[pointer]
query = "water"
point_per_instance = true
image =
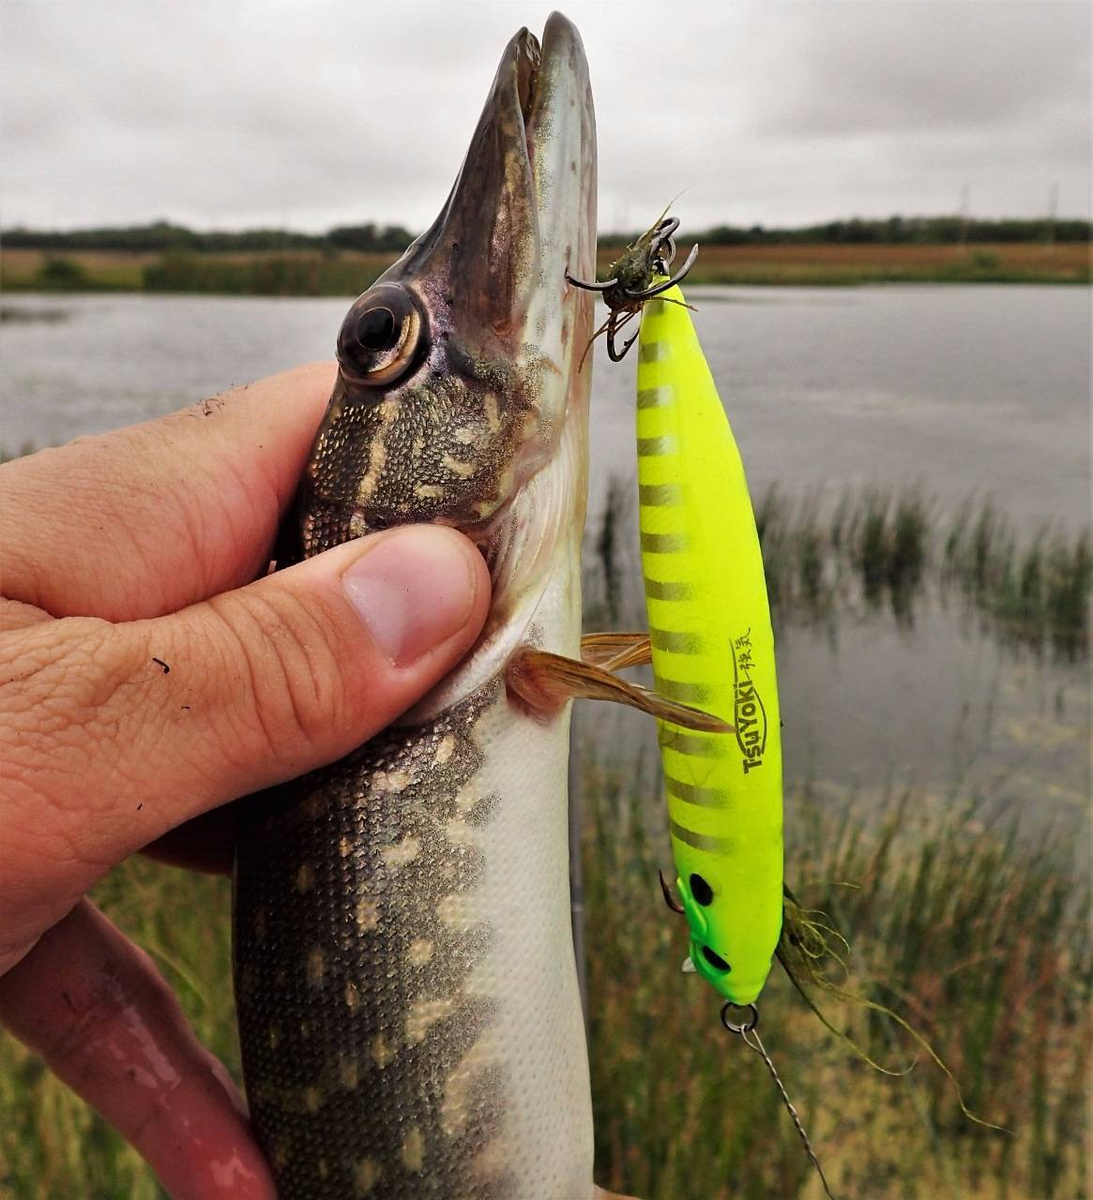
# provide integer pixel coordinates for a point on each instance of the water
(962, 389)
(955, 390)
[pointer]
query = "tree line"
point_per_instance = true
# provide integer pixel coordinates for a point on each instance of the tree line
(163, 236)
(897, 229)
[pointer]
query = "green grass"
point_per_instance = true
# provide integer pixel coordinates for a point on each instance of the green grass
(979, 937)
(1039, 588)
(331, 271)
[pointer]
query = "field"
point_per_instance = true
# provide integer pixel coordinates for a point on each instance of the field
(834, 263)
(310, 272)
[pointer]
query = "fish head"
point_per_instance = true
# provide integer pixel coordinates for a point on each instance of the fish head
(461, 397)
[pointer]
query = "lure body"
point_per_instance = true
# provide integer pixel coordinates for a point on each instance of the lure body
(712, 646)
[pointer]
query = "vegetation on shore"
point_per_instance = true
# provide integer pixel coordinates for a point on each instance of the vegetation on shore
(870, 551)
(980, 940)
(344, 261)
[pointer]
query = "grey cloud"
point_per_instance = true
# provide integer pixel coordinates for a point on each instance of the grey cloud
(934, 63)
(337, 112)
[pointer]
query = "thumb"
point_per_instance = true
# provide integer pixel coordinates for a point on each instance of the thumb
(112, 734)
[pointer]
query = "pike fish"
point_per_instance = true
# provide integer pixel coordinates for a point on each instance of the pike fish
(404, 971)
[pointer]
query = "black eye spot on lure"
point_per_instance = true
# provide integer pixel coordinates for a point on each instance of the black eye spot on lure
(701, 890)
(715, 960)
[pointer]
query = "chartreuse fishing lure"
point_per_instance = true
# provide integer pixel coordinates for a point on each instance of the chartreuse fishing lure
(712, 647)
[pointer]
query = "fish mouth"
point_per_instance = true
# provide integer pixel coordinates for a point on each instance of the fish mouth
(521, 215)
(522, 208)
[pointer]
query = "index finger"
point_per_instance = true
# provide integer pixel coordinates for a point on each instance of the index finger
(103, 1019)
(148, 519)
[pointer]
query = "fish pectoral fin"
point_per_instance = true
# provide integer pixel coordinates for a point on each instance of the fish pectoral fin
(545, 681)
(616, 651)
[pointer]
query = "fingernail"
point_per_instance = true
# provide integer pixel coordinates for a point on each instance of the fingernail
(413, 589)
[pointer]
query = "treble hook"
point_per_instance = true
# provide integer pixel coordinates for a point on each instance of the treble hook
(637, 277)
(680, 275)
(590, 287)
(662, 240)
(669, 899)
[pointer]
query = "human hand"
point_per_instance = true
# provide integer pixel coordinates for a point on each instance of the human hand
(145, 681)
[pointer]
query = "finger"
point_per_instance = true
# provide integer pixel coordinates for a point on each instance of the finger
(148, 519)
(103, 1019)
(110, 735)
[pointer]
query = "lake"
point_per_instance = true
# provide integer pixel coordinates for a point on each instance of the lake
(954, 391)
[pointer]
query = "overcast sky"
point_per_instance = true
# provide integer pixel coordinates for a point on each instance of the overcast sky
(230, 113)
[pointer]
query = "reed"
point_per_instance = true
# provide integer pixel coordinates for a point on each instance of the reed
(875, 550)
(979, 938)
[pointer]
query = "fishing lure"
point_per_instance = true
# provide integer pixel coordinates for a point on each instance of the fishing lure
(711, 646)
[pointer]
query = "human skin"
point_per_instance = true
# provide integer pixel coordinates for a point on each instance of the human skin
(146, 681)
(142, 545)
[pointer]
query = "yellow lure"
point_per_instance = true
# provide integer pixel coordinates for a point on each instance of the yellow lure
(713, 648)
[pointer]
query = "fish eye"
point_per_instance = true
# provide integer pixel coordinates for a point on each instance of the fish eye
(380, 336)
(715, 960)
(701, 890)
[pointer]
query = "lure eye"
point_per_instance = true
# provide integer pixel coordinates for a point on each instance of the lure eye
(701, 890)
(715, 960)
(380, 336)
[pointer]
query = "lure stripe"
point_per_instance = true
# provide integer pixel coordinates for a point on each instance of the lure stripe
(697, 745)
(663, 543)
(681, 690)
(660, 495)
(655, 397)
(656, 589)
(677, 643)
(704, 579)
(691, 793)
(702, 841)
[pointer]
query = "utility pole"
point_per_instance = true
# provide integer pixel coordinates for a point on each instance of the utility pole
(965, 198)
(1052, 215)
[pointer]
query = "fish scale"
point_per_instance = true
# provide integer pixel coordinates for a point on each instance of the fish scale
(377, 964)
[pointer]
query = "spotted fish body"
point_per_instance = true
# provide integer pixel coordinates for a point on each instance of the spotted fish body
(712, 646)
(408, 1006)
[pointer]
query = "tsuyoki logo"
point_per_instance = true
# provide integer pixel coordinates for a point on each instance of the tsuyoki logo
(751, 715)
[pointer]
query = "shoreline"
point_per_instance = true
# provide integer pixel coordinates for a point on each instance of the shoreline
(347, 273)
